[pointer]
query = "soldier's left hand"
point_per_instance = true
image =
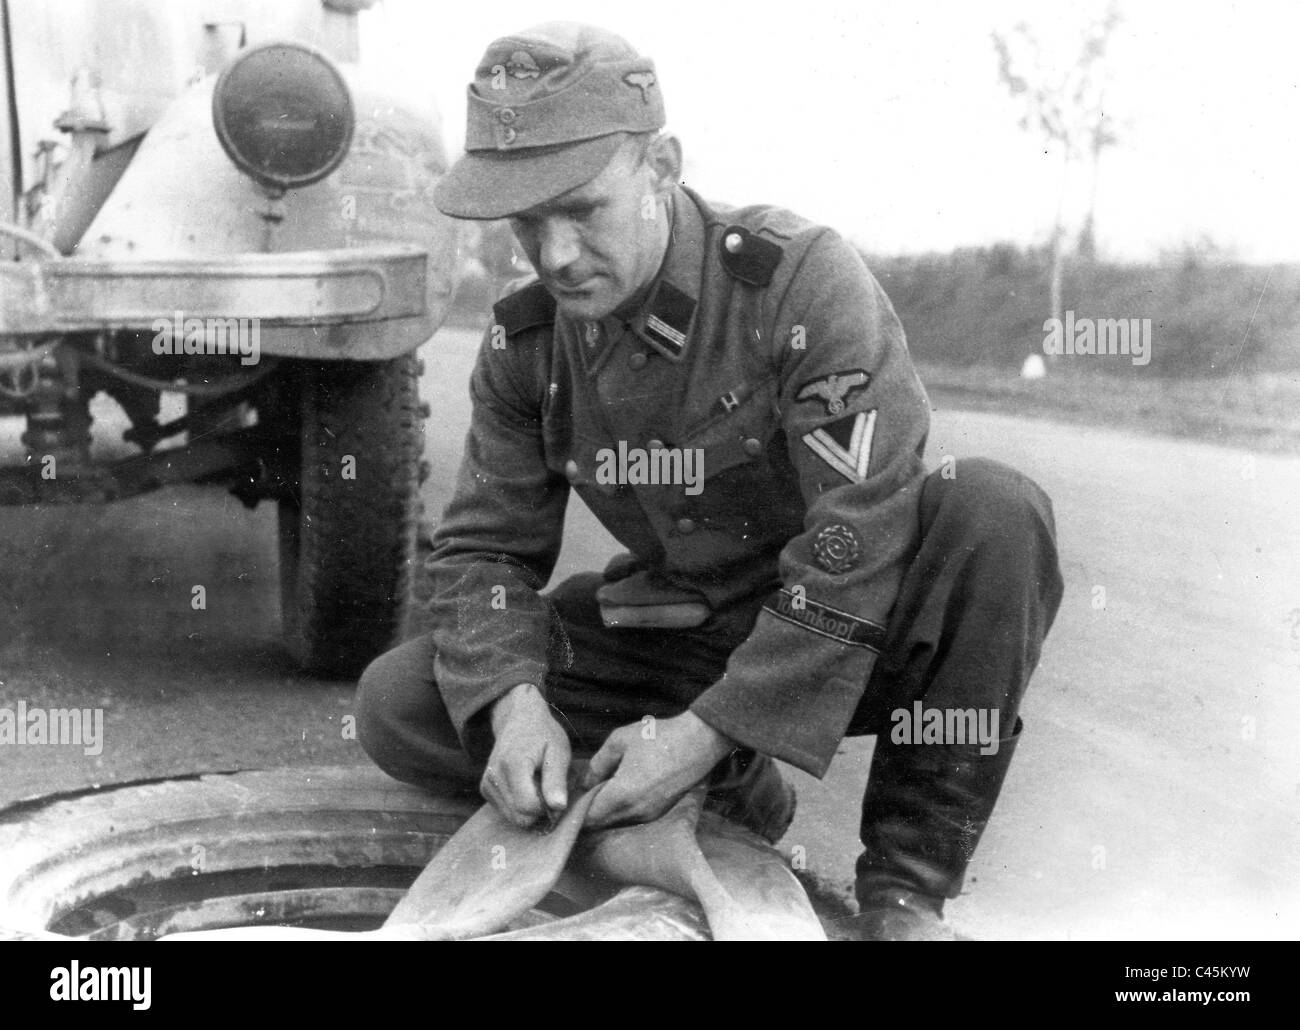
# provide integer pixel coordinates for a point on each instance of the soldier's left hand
(649, 765)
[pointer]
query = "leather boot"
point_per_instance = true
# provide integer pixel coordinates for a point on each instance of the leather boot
(924, 811)
(748, 789)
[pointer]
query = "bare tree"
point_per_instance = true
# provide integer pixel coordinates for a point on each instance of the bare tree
(1098, 126)
(1064, 105)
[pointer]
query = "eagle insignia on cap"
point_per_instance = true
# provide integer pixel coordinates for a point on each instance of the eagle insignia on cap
(522, 66)
(833, 390)
(642, 81)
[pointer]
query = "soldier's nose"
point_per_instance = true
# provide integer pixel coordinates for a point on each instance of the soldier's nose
(559, 249)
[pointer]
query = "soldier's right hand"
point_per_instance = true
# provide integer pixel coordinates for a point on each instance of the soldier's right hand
(527, 772)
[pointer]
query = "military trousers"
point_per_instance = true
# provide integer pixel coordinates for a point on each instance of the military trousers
(965, 633)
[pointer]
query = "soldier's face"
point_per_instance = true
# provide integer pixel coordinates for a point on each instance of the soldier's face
(597, 245)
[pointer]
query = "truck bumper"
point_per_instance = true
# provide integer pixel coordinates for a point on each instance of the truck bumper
(308, 299)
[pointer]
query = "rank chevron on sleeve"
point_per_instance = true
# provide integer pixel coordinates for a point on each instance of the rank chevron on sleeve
(845, 445)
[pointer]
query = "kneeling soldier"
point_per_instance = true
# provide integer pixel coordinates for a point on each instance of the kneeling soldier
(808, 580)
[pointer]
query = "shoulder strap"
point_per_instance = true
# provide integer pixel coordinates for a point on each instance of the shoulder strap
(749, 257)
(745, 254)
(525, 309)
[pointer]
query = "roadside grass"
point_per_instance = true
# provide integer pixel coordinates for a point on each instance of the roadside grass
(1259, 411)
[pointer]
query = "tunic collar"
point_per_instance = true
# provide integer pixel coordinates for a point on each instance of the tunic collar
(664, 320)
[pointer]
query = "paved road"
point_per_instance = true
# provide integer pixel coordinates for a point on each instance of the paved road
(1156, 793)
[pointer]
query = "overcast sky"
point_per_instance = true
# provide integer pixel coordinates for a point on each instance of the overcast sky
(889, 122)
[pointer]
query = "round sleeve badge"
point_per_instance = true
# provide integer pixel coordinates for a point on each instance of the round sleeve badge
(837, 548)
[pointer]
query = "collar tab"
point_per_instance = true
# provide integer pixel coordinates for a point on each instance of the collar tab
(665, 320)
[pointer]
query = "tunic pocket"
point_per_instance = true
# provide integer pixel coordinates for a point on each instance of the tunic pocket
(739, 479)
(739, 430)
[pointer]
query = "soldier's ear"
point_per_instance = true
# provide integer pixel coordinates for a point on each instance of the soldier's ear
(664, 156)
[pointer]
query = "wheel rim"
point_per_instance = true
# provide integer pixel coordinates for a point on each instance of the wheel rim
(327, 848)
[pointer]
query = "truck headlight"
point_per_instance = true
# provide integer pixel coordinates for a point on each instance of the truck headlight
(283, 114)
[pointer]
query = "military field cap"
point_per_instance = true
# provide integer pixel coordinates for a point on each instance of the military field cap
(548, 109)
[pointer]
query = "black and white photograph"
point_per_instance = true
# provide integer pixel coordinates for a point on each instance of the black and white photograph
(650, 472)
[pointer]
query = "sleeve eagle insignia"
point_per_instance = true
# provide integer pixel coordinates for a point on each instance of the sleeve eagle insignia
(835, 389)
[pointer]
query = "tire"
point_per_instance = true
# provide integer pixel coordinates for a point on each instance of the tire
(329, 848)
(347, 532)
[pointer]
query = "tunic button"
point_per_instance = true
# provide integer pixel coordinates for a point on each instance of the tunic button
(685, 526)
(654, 445)
(753, 447)
(508, 135)
(733, 242)
(637, 361)
(507, 115)
(571, 470)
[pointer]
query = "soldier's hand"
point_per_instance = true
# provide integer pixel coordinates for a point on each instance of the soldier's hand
(527, 772)
(648, 772)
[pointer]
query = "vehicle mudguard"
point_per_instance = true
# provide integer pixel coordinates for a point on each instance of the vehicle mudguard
(181, 197)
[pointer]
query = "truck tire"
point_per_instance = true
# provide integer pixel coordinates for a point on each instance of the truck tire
(347, 532)
(327, 847)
